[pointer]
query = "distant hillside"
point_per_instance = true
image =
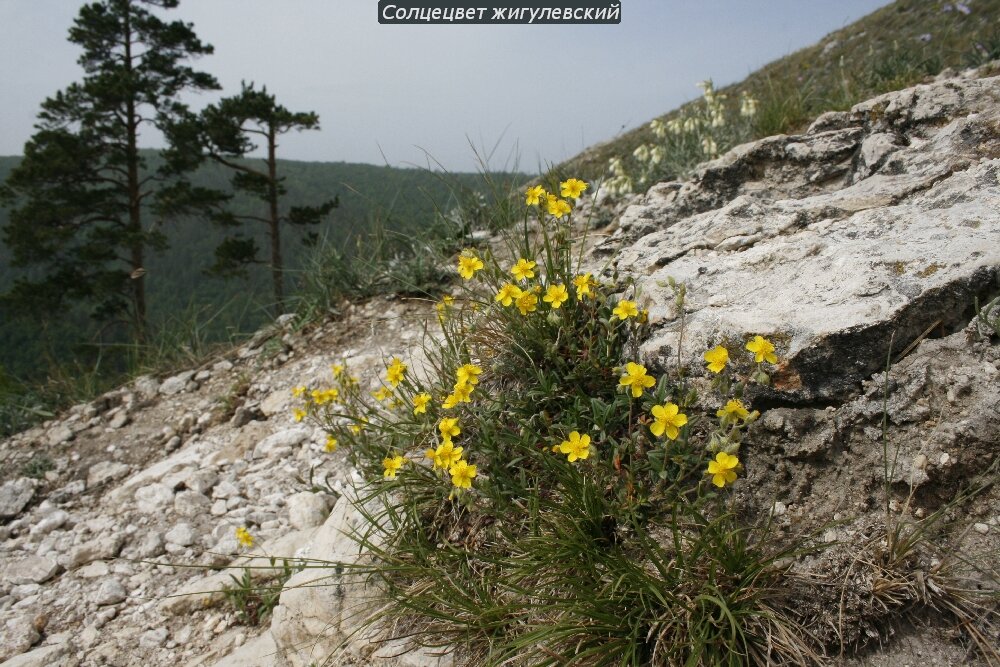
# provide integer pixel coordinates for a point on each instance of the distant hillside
(892, 48)
(404, 200)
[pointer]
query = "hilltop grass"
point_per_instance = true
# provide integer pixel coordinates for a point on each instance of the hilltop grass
(887, 50)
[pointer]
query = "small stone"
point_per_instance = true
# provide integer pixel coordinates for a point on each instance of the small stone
(176, 384)
(59, 435)
(149, 546)
(17, 635)
(225, 489)
(103, 548)
(280, 443)
(306, 510)
(191, 504)
(981, 528)
(105, 471)
(110, 592)
(222, 366)
(31, 570)
(153, 638)
(182, 534)
(94, 570)
(779, 509)
(203, 375)
(53, 521)
(119, 419)
(218, 508)
(146, 386)
(945, 458)
(15, 495)
(153, 498)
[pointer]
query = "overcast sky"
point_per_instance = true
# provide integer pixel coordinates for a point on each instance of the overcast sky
(399, 93)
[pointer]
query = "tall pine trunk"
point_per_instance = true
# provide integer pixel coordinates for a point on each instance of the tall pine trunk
(277, 270)
(134, 200)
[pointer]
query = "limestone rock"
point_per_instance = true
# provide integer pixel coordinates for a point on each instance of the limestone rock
(15, 495)
(306, 510)
(182, 534)
(153, 498)
(321, 607)
(191, 504)
(31, 570)
(60, 434)
(176, 384)
(110, 592)
(829, 272)
(102, 548)
(17, 635)
(105, 471)
(281, 442)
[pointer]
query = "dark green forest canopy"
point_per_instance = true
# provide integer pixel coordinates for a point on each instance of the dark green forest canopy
(401, 200)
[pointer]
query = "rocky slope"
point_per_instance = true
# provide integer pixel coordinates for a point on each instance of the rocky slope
(869, 236)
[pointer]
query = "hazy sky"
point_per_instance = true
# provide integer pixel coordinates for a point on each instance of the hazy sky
(390, 93)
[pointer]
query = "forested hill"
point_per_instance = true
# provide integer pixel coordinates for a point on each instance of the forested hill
(389, 198)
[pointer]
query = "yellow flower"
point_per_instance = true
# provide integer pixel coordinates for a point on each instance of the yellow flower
(667, 419)
(449, 428)
(572, 188)
(584, 285)
(462, 474)
(444, 305)
(625, 309)
(382, 393)
(358, 426)
(337, 370)
(527, 303)
(298, 414)
(762, 350)
(636, 378)
(468, 264)
(462, 392)
(391, 465)
(556, 295)
(722, 469)
(395, 372)
(297, 392)
(717, 358)
(532, 195)
(244, 537)
(468, 374)
(446, 455)
(577, 447)
(324, 396)
(523, 270)
(331, 444)
(508, 294)
(556, 207)
(420, 402)
(450, 401)
(734, 410)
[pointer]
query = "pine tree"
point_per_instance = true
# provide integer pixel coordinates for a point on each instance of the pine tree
(83, 193)
(229, 130)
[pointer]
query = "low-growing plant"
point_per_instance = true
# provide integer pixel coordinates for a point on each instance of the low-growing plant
(37, 466)
(538, 496)
(252, 599)
(699, 131)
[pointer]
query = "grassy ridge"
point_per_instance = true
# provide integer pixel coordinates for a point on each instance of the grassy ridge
(892, 48)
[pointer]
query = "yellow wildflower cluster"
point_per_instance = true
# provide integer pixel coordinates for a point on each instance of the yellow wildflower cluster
(466, 379)
(448, 457)
(556, 205)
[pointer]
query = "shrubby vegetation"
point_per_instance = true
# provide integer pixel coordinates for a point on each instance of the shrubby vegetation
(541, 495)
